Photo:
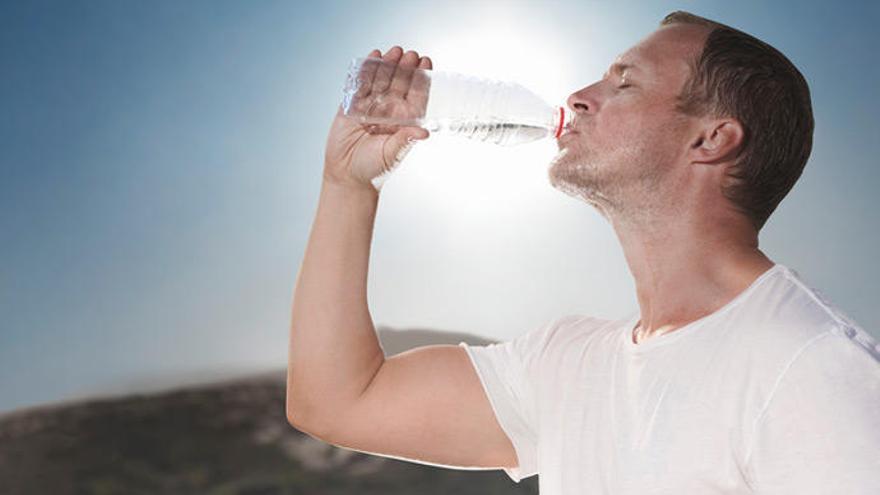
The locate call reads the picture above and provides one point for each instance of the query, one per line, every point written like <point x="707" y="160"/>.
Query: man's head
<point x="696" y="105"/>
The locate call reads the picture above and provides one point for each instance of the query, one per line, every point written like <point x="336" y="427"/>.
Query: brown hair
<point x="740" y="76"/>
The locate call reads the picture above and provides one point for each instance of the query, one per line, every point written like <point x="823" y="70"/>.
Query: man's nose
<point x="582" y="101"/>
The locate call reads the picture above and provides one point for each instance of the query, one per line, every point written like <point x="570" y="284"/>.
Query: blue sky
<point x="161" y="165"/>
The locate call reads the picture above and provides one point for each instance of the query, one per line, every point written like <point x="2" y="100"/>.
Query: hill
<point x="225" y="438"/>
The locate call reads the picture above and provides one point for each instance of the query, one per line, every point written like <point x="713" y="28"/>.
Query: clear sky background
<point x="161" y="163"/>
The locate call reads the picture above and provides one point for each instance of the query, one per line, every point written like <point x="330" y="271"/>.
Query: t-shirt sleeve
<point x="820" y="430"/>
<point x="507" y="372"/>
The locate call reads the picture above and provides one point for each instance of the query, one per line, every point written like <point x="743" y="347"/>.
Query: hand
<point x="355" y="154"/>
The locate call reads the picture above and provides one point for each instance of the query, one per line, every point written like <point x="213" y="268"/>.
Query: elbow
<point x="305" y="423"/>
<point x="296" y="411"/>
<point x="295" y="407"/>
<point x="303" y="417"/>
<point x="294" y="418"/>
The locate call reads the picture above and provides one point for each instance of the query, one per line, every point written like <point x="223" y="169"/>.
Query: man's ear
<point x="718" y="141"/>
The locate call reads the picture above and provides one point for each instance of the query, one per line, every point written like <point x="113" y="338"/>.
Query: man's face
<point x="626" y="135"/>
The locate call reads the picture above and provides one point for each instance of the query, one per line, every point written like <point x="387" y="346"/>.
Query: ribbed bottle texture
<point x="385" y="94"/>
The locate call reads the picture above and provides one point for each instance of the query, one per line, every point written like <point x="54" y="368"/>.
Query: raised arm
<point x="425" y="404"/>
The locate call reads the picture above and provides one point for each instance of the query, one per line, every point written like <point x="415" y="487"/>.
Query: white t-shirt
<point x="775" y="393"/>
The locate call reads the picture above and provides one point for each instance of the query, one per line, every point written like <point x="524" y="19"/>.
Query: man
<point x="735" y="376"/>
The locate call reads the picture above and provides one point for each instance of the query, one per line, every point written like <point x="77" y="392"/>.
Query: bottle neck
<point x="561" y="121"/>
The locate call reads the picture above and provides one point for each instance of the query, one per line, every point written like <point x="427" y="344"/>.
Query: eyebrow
<point x="620" y="68"/>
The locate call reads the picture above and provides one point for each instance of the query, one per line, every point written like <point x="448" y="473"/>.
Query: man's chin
<point x="568" y="177"/>
<point x="563" y="166"/>
<point x="560" y="156"/>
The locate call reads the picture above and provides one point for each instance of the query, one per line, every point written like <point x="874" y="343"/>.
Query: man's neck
<point x="688" y="267"/>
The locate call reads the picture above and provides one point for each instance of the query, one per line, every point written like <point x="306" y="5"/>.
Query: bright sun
<point x="469" y="183"/>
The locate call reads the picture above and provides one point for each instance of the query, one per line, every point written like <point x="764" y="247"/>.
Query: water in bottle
<point x="385" y="95"/>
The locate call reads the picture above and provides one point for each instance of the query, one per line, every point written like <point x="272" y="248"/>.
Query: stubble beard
<point x="622" y="185"/>
<point x="582" y="177"/>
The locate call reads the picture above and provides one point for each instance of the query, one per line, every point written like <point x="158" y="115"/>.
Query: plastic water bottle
<point x="386" y="95"/>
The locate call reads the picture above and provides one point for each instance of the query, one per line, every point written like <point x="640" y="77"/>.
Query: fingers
<point x="419" y="86"/>
<point x="403" y="74"/>
<point x="383" y="75"/>
<point x="395" y="75"/>
<point x="389" y="78"/>
<point x="366" y="74"/>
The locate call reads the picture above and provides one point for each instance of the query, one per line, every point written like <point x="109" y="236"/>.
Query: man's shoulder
<point x="579" y="332"/>
<point x="796" y="299"/>
<point x="565" y="331"/>
<point x="583" y="325"/>
<point x="788" y="315"/>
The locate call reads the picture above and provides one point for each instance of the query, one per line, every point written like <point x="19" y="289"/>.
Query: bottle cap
<point x="563" y="122"/>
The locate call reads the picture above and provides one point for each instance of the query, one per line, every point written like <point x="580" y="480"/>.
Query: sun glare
<point x="469" y="183"/>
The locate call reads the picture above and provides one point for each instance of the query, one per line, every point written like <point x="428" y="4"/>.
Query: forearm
<point x="334" y="351"/>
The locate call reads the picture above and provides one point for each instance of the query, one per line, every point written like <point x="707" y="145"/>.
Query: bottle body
<point x="383" y="94"/>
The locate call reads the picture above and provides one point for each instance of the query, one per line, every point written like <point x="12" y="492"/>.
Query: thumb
<point x="398" y="145"/>
<point x="408" y="134"/>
